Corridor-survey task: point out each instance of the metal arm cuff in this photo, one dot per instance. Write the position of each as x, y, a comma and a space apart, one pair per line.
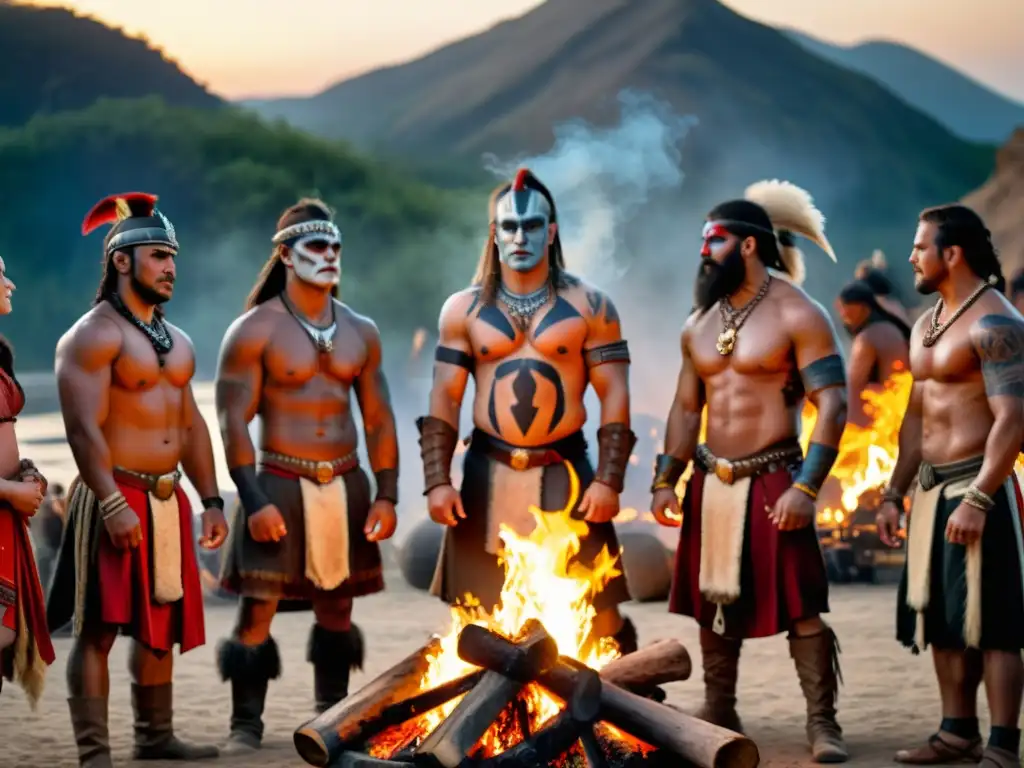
614, 445
387, 485
438, 439
667, 471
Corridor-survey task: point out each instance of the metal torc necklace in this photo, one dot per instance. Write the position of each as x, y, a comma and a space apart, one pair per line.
155, 331
934, 330
733, 319
522, 307
322, 338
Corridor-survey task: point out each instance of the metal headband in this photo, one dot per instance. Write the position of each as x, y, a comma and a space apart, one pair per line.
143, 236
318, 226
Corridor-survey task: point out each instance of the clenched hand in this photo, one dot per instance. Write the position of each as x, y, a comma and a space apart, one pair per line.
445, 505
215, 528
381, 522
794, 510
665, 508
600, 503
267, 524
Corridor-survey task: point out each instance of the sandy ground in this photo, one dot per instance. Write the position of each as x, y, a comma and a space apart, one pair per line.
890, 699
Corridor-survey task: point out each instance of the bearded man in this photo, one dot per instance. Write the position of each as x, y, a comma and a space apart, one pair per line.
748, 563
962, 591
880, 345
533, 337
307, 526
127, 562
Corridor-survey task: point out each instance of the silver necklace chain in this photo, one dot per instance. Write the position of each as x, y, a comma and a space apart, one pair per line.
522, 307
323, 338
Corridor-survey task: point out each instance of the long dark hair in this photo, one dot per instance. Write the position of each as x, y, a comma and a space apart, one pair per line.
861, 292
959, 225
488, 269
273, 276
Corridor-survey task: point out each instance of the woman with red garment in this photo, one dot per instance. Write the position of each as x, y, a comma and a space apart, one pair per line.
25, 647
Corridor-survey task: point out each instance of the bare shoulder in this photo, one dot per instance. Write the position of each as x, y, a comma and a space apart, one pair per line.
592, 302
179, 335
997, 331
252, 330
458, 307
363, 324
95, 338
798, 310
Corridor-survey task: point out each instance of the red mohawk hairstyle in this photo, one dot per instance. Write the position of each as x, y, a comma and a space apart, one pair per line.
519, 183
115, 208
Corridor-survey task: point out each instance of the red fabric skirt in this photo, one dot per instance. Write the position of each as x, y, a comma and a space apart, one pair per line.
20, 590
782, 576
124, 581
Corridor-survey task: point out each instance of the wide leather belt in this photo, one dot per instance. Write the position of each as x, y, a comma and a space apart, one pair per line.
521, 459
161, 486
322, 472
931, 475
731, 470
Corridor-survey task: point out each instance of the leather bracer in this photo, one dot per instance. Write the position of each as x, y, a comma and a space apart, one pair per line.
614, 446
438, 439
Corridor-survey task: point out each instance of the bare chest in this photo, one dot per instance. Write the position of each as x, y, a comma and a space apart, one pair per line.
293, 360
951, 359
138, 368
760, 347
556, 333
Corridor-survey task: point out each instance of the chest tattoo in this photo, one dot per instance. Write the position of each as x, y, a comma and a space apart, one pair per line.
495, 318
524, 388
562, 310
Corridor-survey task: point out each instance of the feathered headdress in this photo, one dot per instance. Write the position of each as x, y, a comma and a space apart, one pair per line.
792, 211
136, 220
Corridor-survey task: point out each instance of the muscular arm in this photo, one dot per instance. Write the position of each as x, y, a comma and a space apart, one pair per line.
237, 395
85, 357
682, 428
998, 341
607, 360
822, 372
197, 458
908, 460
378, 417
858, 375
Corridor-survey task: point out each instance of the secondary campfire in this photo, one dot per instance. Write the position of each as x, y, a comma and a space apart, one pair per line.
528, 685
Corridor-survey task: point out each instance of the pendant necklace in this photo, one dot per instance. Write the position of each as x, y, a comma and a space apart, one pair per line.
322, 338
522, 307
156, 331
733, 319
934, 330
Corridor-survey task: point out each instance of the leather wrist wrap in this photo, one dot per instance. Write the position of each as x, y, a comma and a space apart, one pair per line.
249, 492
438, 439
387, 485
614, 445
816, 467
667, 471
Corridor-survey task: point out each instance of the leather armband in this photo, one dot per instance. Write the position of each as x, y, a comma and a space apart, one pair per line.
213, 502
614, 445
454, 357
438, 439
821, 374
387, 485
817, 464
667, 471
616, 352
249, 492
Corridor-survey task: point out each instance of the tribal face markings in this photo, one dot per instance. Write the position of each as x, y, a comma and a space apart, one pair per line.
316, 259
999, 342
524, 388
521, 228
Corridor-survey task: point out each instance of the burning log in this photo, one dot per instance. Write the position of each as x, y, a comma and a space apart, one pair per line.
324, 738
700, 742
451, 741
663, 661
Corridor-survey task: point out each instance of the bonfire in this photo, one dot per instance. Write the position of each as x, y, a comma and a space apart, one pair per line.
527, 685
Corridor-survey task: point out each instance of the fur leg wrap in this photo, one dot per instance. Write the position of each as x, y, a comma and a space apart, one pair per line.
333, 655
250, 668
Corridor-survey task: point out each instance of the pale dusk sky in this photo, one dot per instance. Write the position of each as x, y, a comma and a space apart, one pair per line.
244, 48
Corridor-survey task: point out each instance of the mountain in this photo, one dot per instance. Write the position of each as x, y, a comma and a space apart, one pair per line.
765, 105
1000, 201
967, 107
64, 62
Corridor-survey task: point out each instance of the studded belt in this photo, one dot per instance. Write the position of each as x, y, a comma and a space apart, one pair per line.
731, 470
322, 472
521, 459
161, 486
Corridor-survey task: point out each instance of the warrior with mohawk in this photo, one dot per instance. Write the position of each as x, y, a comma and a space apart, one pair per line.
533, 337
127, 562
307, 527
748, 563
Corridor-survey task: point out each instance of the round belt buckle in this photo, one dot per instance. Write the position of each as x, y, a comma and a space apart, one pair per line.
163, 488
520, 459
724, 471
324, 472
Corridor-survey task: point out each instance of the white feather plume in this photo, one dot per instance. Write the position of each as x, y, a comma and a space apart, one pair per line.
791, 208
878, 259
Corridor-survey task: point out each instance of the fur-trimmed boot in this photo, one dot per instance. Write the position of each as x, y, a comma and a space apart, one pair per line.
721, 659
89, 722
333, 655
154, 729
816, 658
250, 668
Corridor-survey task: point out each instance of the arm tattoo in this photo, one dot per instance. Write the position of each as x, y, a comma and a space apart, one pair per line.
999, 342
615, 352
823, 373
454, 357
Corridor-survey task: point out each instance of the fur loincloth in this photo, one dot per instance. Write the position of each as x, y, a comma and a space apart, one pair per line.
512, 495
723, 513
325, 511
165, 540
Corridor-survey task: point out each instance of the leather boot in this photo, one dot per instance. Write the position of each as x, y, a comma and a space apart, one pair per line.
817, 665
721, 658
89, 722
154, 727
333, 655
250, 670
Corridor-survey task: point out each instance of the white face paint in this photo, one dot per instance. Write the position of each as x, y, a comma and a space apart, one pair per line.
316, 259
521, 228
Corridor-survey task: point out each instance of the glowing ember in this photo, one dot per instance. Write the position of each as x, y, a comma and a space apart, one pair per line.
540, 583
